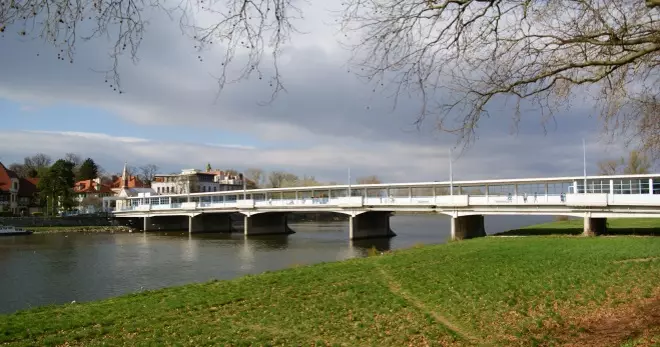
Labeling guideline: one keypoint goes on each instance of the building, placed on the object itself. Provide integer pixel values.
(18, 196)
(196, 181)
(126, 181)
(124, 187)
(89, 195)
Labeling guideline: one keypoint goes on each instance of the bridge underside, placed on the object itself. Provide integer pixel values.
(274, 223)
(362, 225)
(370, 225)
(216, 222)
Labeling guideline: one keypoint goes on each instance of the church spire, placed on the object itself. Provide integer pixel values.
(124, 176)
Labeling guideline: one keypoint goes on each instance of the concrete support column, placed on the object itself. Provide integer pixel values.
(594, 226)
(273, 223)
(467, 227)
(146, 223)
(370, 225)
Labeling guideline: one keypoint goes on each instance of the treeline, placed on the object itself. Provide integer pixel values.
(259, 178)
(636, 163)
(56, 178)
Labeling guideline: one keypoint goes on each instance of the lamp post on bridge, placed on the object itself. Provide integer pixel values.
(584, 164)
(349, 182)
(451, 173)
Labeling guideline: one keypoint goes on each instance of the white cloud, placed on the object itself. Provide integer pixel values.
(392, 161)
(326, 122)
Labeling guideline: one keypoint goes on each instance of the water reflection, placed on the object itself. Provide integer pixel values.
(190, 251)
(57, 268)
(247, 254)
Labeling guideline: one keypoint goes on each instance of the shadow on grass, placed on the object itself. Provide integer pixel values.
(578, 231)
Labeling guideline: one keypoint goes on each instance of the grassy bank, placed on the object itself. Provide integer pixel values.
(489, 291)
(615, 226)
(72, 229)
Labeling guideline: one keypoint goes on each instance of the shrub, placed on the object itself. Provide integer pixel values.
(561, 218)
(37, 214)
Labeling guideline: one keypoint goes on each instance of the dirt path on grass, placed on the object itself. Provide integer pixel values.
(639, 321)
(396, 289)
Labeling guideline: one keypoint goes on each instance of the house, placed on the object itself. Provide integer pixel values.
(126, 181)
(89, 195)
(196, 181)
(124, 187)
(18, 196)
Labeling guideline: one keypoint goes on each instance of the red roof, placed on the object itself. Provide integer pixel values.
(26, 186)
(5, 178)
(89, 186)
(133, 182)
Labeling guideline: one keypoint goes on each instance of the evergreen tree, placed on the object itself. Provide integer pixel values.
(56, 185)
(88, 170)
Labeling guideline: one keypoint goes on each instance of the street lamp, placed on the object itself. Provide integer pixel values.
(584, 164)
(451, 173)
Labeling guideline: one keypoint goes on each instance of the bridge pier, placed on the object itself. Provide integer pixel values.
(266, 224)
(594, 226)
(211, 222)
(370, 225)
(467, 227)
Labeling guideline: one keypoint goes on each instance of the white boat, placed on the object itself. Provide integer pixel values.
(6, 230)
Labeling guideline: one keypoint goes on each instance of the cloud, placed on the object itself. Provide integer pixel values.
(393, 162)
(326, 122)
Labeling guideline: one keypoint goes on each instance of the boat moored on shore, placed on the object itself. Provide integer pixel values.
(7, 230)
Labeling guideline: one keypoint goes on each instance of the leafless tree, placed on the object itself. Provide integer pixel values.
(466, 57)
(249, 28)
(637, 163)
(147, 173)
(279, 179)
(36, 163)
(255, 175)
(372, 179)
(19, 169)
(305, 181)
(74, 158)
(609, 166)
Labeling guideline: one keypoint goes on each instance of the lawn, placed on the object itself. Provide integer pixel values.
(602, 291)
(615, 226)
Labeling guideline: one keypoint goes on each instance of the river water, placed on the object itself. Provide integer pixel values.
(42, 269)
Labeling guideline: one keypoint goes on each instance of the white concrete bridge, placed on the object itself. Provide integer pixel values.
(369, 206)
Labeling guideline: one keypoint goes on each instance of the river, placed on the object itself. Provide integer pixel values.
(55, 268)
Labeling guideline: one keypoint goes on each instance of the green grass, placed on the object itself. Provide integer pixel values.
(615, 226)
(489, 291)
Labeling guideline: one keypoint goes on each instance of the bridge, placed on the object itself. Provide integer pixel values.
(369, 206)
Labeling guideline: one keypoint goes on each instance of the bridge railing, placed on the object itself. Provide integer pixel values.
(594, 200)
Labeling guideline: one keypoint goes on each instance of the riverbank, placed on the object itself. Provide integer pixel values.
(615, 226)
(82, 229)
(498, 291)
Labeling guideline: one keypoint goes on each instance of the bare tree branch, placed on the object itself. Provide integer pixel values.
(462, 57)
(244, 29)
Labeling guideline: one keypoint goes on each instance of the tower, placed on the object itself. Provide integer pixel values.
(124, 177)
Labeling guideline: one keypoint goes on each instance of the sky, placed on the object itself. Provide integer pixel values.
(326, 122)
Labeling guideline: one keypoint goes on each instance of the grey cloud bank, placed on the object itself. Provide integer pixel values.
(325, 122)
